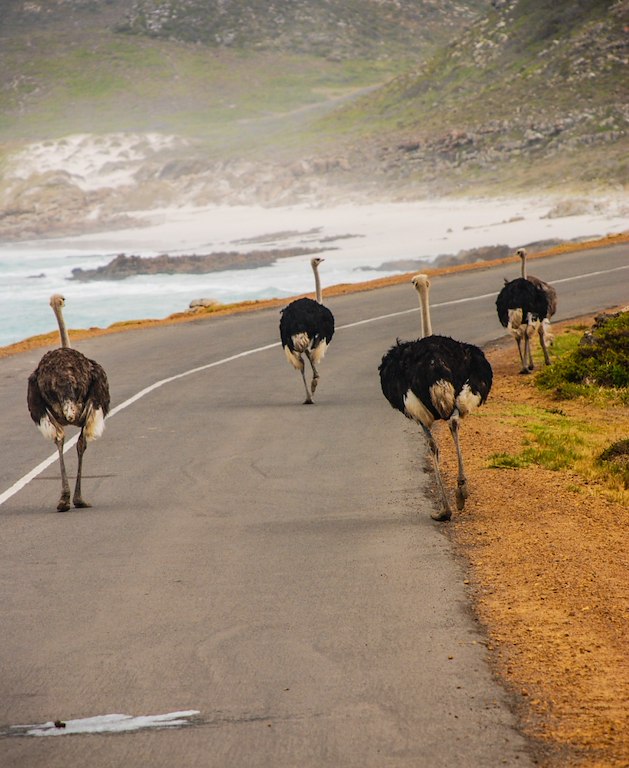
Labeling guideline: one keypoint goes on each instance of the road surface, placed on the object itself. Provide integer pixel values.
(268, 569)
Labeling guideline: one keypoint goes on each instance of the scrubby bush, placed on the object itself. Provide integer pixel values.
(600, 359)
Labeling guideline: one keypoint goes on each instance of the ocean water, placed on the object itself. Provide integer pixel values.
(357, 240)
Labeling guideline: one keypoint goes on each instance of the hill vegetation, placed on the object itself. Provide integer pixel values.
(531, 93)
(332, 29)
(283, 102)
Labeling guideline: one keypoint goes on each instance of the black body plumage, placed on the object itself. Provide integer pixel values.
(309, 317)
(418, 365)
(522, 294)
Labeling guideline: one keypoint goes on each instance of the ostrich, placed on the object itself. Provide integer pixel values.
(307, 327)
(66, 389)
(545, 334)
(432, 378)
(522, 308)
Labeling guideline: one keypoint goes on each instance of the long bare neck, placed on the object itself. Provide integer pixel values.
(63, 333)
(424, 304)
(523, 260)
(315, 269)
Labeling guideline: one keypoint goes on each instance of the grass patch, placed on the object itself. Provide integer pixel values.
(585, 436)
(561, 442)
(553, 440)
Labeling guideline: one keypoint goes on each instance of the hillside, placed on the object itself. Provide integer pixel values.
(333, 29)
(533, 93)
(108, 108)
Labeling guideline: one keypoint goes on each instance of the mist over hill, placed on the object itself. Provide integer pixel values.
(108, 108)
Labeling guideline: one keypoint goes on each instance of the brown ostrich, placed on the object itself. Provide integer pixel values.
(68, 389)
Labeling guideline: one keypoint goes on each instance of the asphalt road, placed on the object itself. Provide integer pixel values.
(272, 566)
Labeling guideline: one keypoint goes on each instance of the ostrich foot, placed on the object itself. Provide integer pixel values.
(525, 371)
(443, 516)
(308, 402)
(80, 503)
(64, 504)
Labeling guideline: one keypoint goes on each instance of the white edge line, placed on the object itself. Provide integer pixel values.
(26, 479)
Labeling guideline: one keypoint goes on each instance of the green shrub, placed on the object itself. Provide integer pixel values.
(599, 359)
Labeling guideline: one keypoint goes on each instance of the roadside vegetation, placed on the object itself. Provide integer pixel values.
(591, 370)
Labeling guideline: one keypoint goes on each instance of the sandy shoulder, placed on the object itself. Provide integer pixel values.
(547, 561)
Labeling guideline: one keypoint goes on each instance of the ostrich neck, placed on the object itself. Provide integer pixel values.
(425, 310)
(317, 285)
(524, 267)
(63, 333)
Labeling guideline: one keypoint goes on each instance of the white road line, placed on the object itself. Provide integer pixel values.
(26, 479)
(491, 295)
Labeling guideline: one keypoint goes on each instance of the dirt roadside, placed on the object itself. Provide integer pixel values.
(547, 559)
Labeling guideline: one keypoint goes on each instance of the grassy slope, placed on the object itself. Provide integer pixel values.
(80, 67)
(120, 83)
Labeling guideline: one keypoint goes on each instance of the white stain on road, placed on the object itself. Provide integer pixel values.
(106, 724)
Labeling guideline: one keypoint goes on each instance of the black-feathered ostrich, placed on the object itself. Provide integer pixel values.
(544, 331)
(432, 378)
(522, 307)
(65, 389)
(306, 328)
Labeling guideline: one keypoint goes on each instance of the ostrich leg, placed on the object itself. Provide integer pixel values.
(446, 514)
(531, 327)
(461, 491)
(64, 499)
(77, 499)
(518, 341)
(302, 368)
(315, 372)
(542, 340)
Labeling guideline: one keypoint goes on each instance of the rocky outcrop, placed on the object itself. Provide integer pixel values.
(123, 266)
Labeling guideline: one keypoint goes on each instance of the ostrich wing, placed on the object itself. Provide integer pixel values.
(551, 293)
(34, 399)
(98, 391)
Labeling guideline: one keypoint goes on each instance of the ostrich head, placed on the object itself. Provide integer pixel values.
(57, 301)
(421, 283)
(314, 263)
